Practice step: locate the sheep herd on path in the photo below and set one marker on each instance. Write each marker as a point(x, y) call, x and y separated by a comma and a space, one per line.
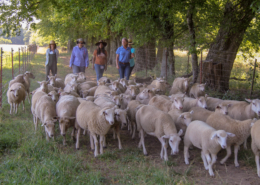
point(186, 115)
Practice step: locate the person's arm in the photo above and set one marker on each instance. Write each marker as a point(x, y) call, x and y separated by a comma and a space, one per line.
point(86, 59)
point(117, 59)
point(72, 58)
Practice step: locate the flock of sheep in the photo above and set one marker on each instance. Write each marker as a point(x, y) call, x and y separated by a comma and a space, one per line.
point(208, 123)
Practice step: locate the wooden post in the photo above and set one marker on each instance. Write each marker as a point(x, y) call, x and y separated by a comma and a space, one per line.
point(253, 79)
point(201, 67)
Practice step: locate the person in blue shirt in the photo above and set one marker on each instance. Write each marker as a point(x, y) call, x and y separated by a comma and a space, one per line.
point(79, 57)
point(132, 62)
point(52, 55)
point(123, 56)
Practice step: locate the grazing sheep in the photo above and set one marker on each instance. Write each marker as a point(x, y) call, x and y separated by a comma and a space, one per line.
point(255, 145)
point(240, 128)
point(66, 111)
point(179, 85)
point(98, 121)
point(157, 123)
point(27, 75)
point(206, 138)
point(45, 110)
point(15, 95)
point(197, 90)
point(145, 96)
point(181, 119)
point(75, 78)
point(203, 114)
point(131, 111)
point(56, 82)
point(166, 105)
point(132, 90)
point(198, 102)
point(17, 79)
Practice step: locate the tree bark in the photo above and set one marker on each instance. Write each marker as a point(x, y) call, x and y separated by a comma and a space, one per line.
point(222, 53)
point(194, 57)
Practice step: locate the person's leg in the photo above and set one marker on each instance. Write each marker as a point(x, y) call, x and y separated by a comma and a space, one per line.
point(101, 70)
point(131, 69)
point(75, 69)
point(54, 69)
point(127, 71)
point(82, 69)
point(47, 70)
point(121, 70)
point(97, 69)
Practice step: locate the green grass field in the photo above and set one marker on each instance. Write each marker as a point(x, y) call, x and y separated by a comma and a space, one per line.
point(27, 158)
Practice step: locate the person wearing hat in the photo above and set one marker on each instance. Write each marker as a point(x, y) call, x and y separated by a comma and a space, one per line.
point(132, 62)
point(123, 56)
point(100, 59)
point(52, 55)
point(79, 57)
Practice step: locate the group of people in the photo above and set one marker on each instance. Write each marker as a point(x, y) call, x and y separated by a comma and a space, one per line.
point(79, 60)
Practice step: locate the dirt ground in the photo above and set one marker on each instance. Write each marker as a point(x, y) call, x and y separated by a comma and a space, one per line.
point(224, 174)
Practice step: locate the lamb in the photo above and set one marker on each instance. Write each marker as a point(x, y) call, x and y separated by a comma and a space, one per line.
point(203, 114)
point(79, 78)
point(102, 89)
point(71, 87)
point(45, 110)
point(145, 96)
point(17, 79)
point(15, 95)
point(116, 86)
point(197, 90)
point(212, 103)
point(56, 82)
point(43, 87)
point(132, 90)
point(181, 119)
point(198, 102)
point(166, 105)
point(240, 128)
point(159, 85)
point(104, 102)
point(89, 92)
point(66, 111)
point(98, 121)
point(104, 79)
point(255, 145)
point(125, 100)
point(206, 138)
point(124, 82)
point(131, 111)
point(157, 123)
point(27, 75)
point(85, 86)
point(179, 85)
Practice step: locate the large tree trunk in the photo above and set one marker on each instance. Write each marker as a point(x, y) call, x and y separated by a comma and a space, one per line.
point(70, 45)
point(222, 53)
point(194, 57)
point(114, 43)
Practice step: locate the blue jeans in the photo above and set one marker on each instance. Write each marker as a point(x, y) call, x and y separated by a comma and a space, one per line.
point(77, 69)
point(99, 70)
point(124, 70)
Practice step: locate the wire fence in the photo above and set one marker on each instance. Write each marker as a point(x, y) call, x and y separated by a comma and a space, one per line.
point(12, 64)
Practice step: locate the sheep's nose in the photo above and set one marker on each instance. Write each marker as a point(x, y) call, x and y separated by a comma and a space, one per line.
point(119, 106)
point(111, 122)
point(181, 108)
point(223, 146)
point(206, 107)
point(226, 113)
point(51, 135)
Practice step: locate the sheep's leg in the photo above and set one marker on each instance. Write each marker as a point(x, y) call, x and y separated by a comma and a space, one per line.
point(186, 154)
point(77, 142)
point(134, 130)
point(206, 165)
point(16, 107)
point(164, 149)
point(101, 140)
point(36, 123)
point(91, 142)
point(105, 142)
point(73, 134)
point(118, 138)
point(64, 140)
point(28, 96)
point(236, 148)
point(23, 106)
point(214, 159)
point(142, 141)
point(47, 136)
point(11, 108)
point(161, 154)
point(257, 164)
point(211, 173)
point(96, 144)
point(84, 132)
point(114, 133)
point(228, 149)
point(245, 144)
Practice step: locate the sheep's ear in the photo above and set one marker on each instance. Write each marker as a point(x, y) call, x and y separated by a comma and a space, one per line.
point(48, 94)
point(248, 100)
point(229, 105)
point(230, 134)
point(214, 135)
point(44, 124)
point(182, 116)
point(121, 95)
point(103, 113)
point(11, 90)
point(180, 132)
point(218, 107)
point(191, 112)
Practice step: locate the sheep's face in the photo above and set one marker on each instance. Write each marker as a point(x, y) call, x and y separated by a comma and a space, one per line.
point(127, 98)
point(52, 80)
point(54, 96)
point(186, 118)
point(220, 136)
point(49, 127)
point(223, 108)
point(124, 82)
point(174, 142)
point(134, 90)
point(118, 100)
point(74, 78)
point(178, 103)
point(109, 115)
point(15, 92)
point(64, 124)
point(202, 102)
point(29, 74)
point(73, 87)
point(256, 106)
point(202, 87)
point(144, 94)
point(44, 86)
point(115, 86)
point(81, 76)
point(121, 116)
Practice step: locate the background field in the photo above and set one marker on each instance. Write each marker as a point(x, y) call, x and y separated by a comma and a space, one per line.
point(27, 158)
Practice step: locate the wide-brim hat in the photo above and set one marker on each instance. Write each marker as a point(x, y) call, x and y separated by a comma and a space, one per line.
point(130, 42)
point(101, 41)
point(52, 42)
point(81, 40)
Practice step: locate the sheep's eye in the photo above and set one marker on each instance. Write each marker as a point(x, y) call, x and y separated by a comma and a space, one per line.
point(218, 137)
point(171, 140)
point(253, 103)
point(200, 101)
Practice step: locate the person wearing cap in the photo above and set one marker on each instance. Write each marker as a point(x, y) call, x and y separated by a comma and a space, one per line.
point(79, 57)
point(132, 62)
point(100, 59)
point(52, 55)
point(123, 56)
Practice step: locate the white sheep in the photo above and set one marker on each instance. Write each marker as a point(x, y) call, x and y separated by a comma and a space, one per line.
point(179, 85)
point(255, 145)
point(157, 123)
point(98, 121)
point(26, 77)
point(104, 79)
point(17, 79)
point(206, 138)
point(240, 128)
point(15, 95)
point(132, 90)
point(71, 87)
point(102, 89)
point(56, 82)
point(90, 92)
point(197, 90)
point(198, 102)
point(165, 104)
point(74, 78)
point(145, 95)
point(66, 111)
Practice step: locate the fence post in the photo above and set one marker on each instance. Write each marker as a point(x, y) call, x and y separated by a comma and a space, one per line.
point(12, 56)
point(252, 84)
point(201, 67)
point(19, 60)
point(1, 73)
